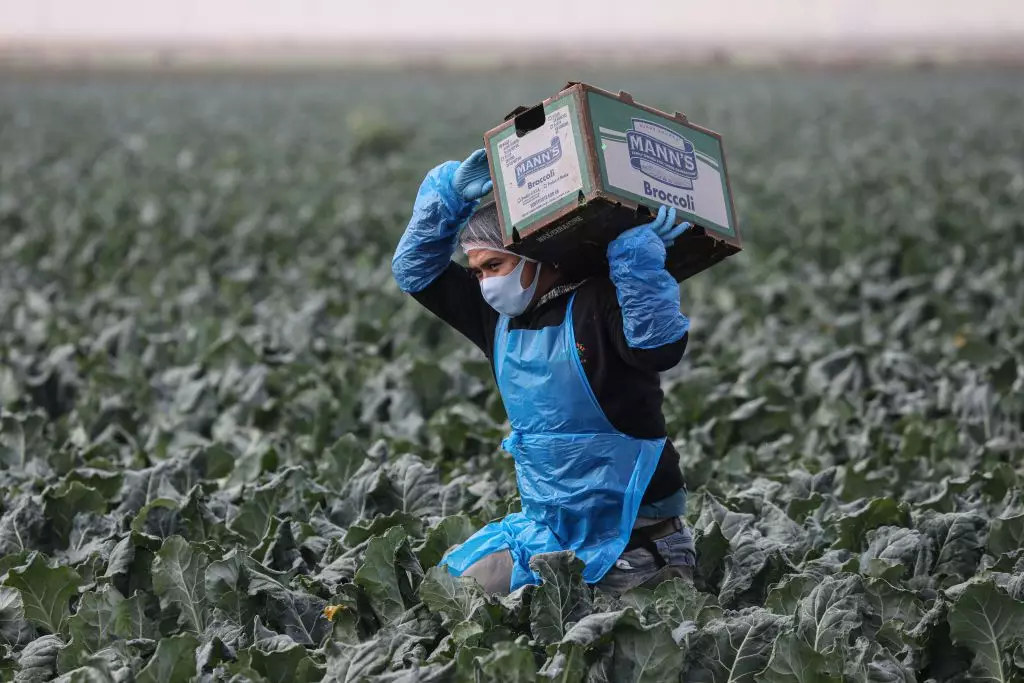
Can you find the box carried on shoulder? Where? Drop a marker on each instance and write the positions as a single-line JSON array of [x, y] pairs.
[[573, 172]]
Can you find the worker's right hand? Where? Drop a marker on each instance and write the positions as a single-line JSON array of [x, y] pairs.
[[473, 177], [428, 243]]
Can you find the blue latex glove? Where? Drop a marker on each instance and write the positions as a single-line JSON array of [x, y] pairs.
[[648, 295], [664, 226], [473, 178], [438, 214]]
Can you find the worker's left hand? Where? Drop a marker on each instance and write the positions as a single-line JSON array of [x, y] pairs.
[[664, 226]]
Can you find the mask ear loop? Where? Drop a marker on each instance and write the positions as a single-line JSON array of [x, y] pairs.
[[536, 273], [519, 270]]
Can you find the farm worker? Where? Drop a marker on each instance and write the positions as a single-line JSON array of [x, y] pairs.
[[577, 366]]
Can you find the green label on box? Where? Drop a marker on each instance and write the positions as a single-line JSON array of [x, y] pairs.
[[542, 171], [653, 160]]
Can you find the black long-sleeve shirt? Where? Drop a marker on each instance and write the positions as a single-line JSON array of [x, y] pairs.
[[624, 380]]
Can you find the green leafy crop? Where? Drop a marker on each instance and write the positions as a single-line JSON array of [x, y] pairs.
[[232, 450]]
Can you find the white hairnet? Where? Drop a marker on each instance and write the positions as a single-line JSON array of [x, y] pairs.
[[482, 231]]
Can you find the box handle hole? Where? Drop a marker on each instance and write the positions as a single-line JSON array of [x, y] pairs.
[[515, 112], [531, 119]]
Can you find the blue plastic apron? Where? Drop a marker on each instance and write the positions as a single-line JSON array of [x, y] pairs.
[[580, 479]]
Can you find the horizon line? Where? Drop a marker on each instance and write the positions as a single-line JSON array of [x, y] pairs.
[[115, 41]]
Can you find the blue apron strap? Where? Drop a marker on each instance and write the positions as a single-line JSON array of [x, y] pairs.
[[498, 349], [575, 355]]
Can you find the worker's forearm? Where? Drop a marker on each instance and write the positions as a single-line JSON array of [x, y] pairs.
[[429, 240], [657, 359], [647, 294]]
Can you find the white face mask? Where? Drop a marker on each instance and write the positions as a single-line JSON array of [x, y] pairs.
[[505, 294]]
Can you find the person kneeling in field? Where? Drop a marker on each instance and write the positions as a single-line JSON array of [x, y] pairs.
[[577, 367]]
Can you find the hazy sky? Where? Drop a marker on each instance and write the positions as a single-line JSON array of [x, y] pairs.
[[422, 19]]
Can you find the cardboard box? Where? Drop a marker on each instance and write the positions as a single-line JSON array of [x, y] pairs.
[[574, 171]]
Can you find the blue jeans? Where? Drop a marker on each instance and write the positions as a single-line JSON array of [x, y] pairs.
[[637, 567]]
